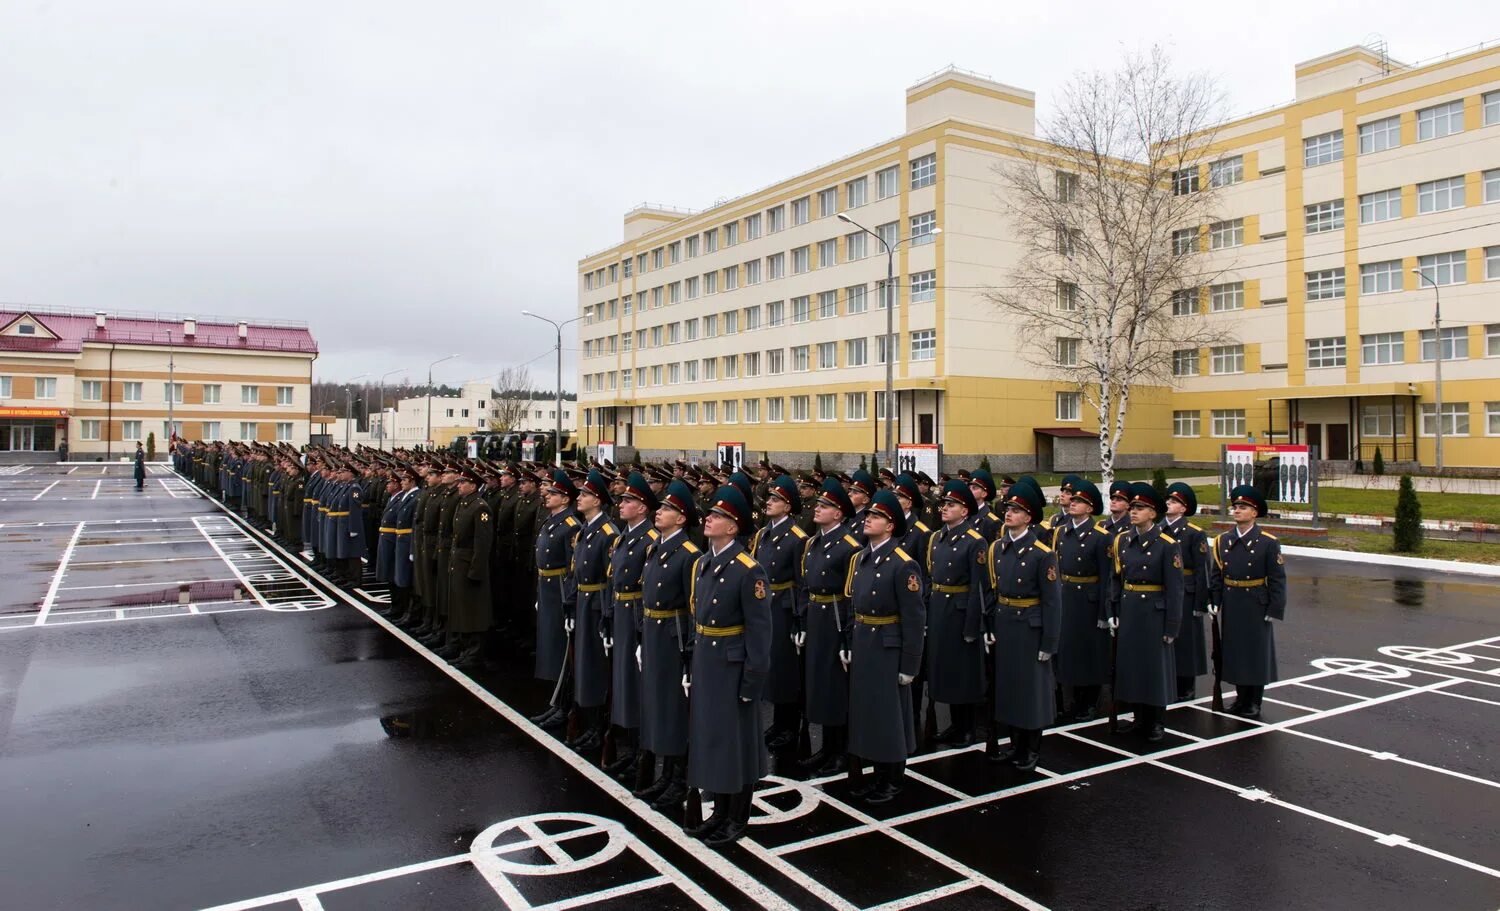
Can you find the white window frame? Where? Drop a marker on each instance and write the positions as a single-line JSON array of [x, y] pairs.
[[284, 431], [924, 344], [1067, 350], [1187, 424], [1440, 120], [856, 299], [888, 182], [828, 406], [828, 304], [856, 406], [924, 286], [1450, 268], [856, 352], [1226, 297], [1069, 406], [1380, 135], [249, 395], [801, 210], [1330, 351], [133, 391], [921, 227], [856, 246], [213, 431], [1324, 148], [249, 430], [92, 391], [89, 429], [828, 253], [1325, 284], [1491, 263], [801, 260], [775, 409], [776, 361], [924, 171], [1379, 206], [131, 431], [1455, 419], [1442, 195], [1385, 277], [1490, 186], [1455, 344], [1226, 360], [1490, 102], [828, 355], [284, 395], [1185, 362], [801, 408], [828, 202], [1228, 423], [1324, 216], [1382, 348], [1226, 171], [1225, 235], [856, 192]]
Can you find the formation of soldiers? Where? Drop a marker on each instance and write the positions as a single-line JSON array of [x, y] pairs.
[[664, 604]]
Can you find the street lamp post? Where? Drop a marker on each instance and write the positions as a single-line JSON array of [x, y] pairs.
[[382, 405], [450, 357], [557, 443], [1437, 366], [348, 392], [890, 332]]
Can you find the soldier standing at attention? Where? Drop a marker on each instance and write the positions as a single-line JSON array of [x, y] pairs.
[[665, 643], [777, 547], [1248, 586], [982, 485], [823, 606], [1070, 483], [469, 571], [955, 655], [1025, 624], [627, 563], [1119, 507], [441, 638], [731, 658], [807, 489], [554, 556], [1191, 649], [583, 609], [1146, 596], [385, 548], [523, 557], [889, 621], [861, 488], [1083, 561], [401, 572]]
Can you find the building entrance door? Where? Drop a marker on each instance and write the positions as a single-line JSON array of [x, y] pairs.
[[20, 437], [925, 432], [1338, 442]]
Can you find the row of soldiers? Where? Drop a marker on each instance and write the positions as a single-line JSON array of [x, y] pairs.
[[666, 615]]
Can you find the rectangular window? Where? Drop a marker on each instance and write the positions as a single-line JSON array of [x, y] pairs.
[[89, 429], [674, 413], [1065, 186], [212, 431], [674, 373], [856, 406], [924, 345], [888, 182], [856, 299], [656, 378], [690, 413], [1225, 234], [1324, 216], [692, 247], [248, 430], [1444, 268], [776, 361], [828, 355], [882, 342], [923, 171], [1379, 421], [1226, 171], [775, 409], [1492, 262], [1224, 359], [752, 363], [1440, 120], [640, 263], [1323, 148], [1325, 284], [1455, 419], [854, 245], [5, 387], [828, 253], [1455, 344], [131, 430], [674, 293], [800, 359], [674, 252], [752, 318], [690, 371], [1226, 297], [1185, 181], [1067, 241], [889, 233], [923, 286], [776, 313], [211, 393], [625, 268], [284, 430], [731, 234], [880, 406], [856, 192], [690, 287], [1384, 205], [801, 310], [710, 369], [711, 240], [752, 272], [283, 395], [1185, 302], [922, 228], [1325, 352], [828, 304], [731, 322], [776, 266], [674, 333], [1440, 195], [1379, 135], [775, 219], [614, 273], [1381, 278], [1185, 362], [1184, 241], [588, 281], [1185, 424], [801, 211], [1068, 406], [710, 412], [172, 392], [856, 352], [1492, 418], [1067, 351], [132, 392], [752, 226], [1067, 295], [690, 329], [751, 411], [799, 408], [656, 415], [1229, 422], [710, 283], [1492, 185], [1382, 348], [828, 407], [801, 260], [1491, 108], [656, 258], [828, 202], [93, 390]]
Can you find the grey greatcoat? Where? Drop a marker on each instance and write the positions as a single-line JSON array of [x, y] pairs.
[[666, 634], [447, 503], [385, 551], [627, 562], [889, 620], [823, 608], [955, 607], [1248, 582], [1191, 649], [315, 484], [1146, 596], [1026, 619], [1083, 568], [469, 565], [778, 548], [554, 556], [349, 526], [424, 544], [731, 658], [401, 575], [584, 601]]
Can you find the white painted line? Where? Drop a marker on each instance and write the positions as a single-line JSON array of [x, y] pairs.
[[1291, 705], [156, 584], [97, 485], [935, 784], [296, 894], [795, 874], [44, 491], [150, 560], [1447, 566], [57, 577], [922, 898], [73, 469]]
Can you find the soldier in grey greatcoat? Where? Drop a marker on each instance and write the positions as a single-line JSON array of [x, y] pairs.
[[955, 608], [627, 563], [1083, 562], [823, 629], [1024, 624], [469, 613], [554, 559], [1248, 587], [777, 547], [583, 609], [1146, 610], [730, 661], [890, 618], [1191, 646]]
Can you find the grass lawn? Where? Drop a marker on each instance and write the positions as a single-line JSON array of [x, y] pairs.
[[1355, 501], [1372, 542]]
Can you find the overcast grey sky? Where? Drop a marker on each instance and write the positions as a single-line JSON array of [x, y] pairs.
[[407, 177]]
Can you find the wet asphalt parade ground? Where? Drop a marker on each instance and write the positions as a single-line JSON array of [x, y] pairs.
[[191, 718]]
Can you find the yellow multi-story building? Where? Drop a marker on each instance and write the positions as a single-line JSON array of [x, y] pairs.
[[101, 382], [762, 321]]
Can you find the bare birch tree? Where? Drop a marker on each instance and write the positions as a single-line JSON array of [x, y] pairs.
[[510, 398], [1110, 215]]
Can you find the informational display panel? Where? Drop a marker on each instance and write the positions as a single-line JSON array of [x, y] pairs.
[[914, 457], [732, 454], [605, 451], [1289, 480]]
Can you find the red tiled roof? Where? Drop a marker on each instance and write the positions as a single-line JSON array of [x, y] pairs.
[[73, 330]]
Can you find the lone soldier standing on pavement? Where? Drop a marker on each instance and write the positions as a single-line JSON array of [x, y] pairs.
[[889, 621], [140, 467], [627, 563], [1248, 588], [1083, 561], [731, 658], [1191, 649], [955, 655], [823, 605], [1146, 596], [1025, 624], [777, 547]]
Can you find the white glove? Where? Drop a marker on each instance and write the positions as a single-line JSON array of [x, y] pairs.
[[989, 641], [686, 684], [568, 626], [608, 644], [1268, 619], [1168, 639], [1197, 613], [744, 699], [799, 639], [1213, 610], [1114, 624], [638, 658], [1044, 656], [905, 679], [845, 657], [353, 535]]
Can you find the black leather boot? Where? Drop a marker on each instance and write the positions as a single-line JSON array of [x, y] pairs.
[[1008, 751], [715, 820]]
